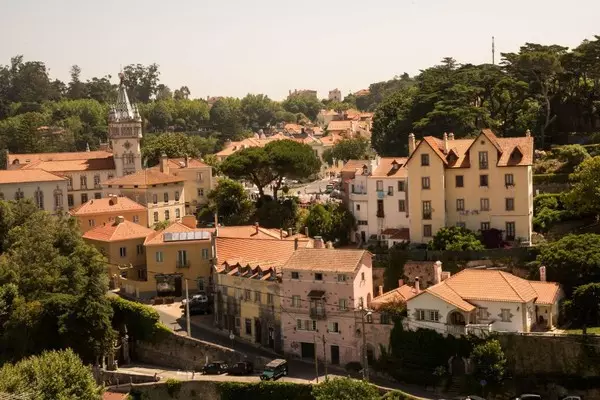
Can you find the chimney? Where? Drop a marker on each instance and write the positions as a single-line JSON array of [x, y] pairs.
[[451, 136], [543, 273], [113, 199], [445, 142], [445, 275], [329, 245], [400, 282], [164, 164], [380, 290], [120, 219], [412, 143], [417, 285], [290, 233], [437, 272], [296, 244], [280, 233], [189, 221], [318, 242], [256, 226], [306, 231]]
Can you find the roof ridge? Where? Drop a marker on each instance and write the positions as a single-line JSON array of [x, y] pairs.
[[502, 274]]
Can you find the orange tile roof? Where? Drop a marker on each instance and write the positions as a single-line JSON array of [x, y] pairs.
[[385, 168], [69, 156], [331, 139], [246, 231], [180, 163], [24, 176], [249, 142], [158, 237], [339, 126], [125, 230], [144, 178], [107, 205], [401, 294], [325, 259], [93, 164], [244, 251], [403, 233], [295, 128], [547, 292], [353, 165]]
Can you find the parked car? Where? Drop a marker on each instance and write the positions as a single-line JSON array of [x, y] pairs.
[[529, 396], [200, 297], [215, 368], [569, 397], [241, 368], [274, 369], [328, 189]]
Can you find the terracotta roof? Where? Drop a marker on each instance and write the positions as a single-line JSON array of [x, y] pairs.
[[295, 128], [448, 295], [158, 237], [24, 176], [330, 139], [402, 233], [118, 231], [249, 142], [244, 251], [339, 126], [114, 396], [385, 168], [145, 177], [246, 231], [353, 165], [325, 259], [93, 164], [70, 156], [362, 92], [401, 294], [547, 292], [107, 205], [179, 163]]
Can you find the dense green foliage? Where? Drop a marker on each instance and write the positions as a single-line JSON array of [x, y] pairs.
[[550, 209], [51, 375], [230, 202], [141, 321], [584, 196], [455, 238], [488, 361], [394, 262], [347, 149], [264, 391], [52, 286], [345, 389], [332, 221], [585, 306]]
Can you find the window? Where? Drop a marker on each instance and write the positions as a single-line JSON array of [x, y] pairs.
[[167, 215], [237, 322], [460, 204], [424, 160], [362, 222], [257, 297], [509, 180], [248, 326], [19, 194], [96, 181], [358, 207], [510, 204], [426, 209], [139, 249], [510, 231], [110, 176], [380, 212], [484, 204], [91, 222], [461, 225], [84, 198], [70, 201], [182, 260], [142, 274], [505, 314], [69, 183], [362, 276], [402, 205], [177, 195], [177, 213], [200, 192], [295, 275], [483, 160], [83, 182], [306, 325], [155, 198], [460, 181], [136, 219], [385, 318], [270, 298], [39, 198], [425, 183], [401, 187], [205, 254], [58, 198], [123, 251], [390, 190], [341, 278], [200, 284], [343, 305], [482, 313], [428, 315], [485, 226], [427, 231], [333, 327], [199, 176], [318, 276], [166, 197], [296, 301], [155, 216], [380, 186], [483, 180], [247, 295], [97, 195]]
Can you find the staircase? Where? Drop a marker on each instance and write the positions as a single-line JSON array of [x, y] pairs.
[[455, 387]]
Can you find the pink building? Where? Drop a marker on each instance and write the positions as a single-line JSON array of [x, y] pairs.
[[323, 292]]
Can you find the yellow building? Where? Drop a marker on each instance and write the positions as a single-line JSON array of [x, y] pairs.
[[122, 243], [98, 212], [247, 279], [162, 194], [47, 190], [481, 184]]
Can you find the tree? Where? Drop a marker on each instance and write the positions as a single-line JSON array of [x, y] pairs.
[[101, 89], [489, 361], [161, 225], [174, 145], [77, 89], [394, 266], [347, 149], [584, 195], [159, 116], [391, 125], [229, 120], [49, 376], [183, 93], [230, 201], [251, 164], [319, 221], [259, 109], [586, 304], [163, 92], [573, 260], [141, 81], [332, 221], [307, 105], [345, 389], [455, 238]]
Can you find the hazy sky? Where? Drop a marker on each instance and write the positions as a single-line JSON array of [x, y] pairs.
[[234, 47]]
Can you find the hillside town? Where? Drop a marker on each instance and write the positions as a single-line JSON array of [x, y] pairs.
[[427, 237]]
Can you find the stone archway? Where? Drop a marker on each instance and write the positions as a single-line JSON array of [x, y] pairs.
[[456, 318], [457, 366]]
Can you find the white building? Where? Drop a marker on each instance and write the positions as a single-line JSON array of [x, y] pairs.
[[377, 199], [47, 190]]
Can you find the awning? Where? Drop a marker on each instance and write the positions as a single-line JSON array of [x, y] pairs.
[[316, 294]]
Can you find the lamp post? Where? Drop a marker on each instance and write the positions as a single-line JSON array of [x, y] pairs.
[[364, 313]]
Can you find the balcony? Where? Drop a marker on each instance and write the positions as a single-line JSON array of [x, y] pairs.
[[317, 313], [380, 213], [183, 263], [427, 215]]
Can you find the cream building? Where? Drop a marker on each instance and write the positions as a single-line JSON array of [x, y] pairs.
[[85, 170], [48, 191], [481, 184], [99, 212]]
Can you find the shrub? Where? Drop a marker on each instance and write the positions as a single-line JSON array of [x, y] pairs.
[[545, 179], [571, 155], [353, 366], [345, 389], [489, 361], [173, 387], [264, 391], [398, 395], [142, 321], [547, 200], [455, 238]]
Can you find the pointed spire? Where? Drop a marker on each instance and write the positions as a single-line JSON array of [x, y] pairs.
[[123, 110]]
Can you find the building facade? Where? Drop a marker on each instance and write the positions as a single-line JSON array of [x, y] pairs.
[[48, 191], [98, 212], [481, 184], [335, 95]]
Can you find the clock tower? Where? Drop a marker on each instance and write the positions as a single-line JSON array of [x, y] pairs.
[[125, 133]]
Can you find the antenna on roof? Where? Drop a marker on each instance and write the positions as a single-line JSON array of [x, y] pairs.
[[493, 51]]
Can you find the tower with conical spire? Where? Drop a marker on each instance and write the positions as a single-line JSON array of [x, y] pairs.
[[125, 133]]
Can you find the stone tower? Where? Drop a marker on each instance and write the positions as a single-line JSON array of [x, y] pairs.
[[125, 133]]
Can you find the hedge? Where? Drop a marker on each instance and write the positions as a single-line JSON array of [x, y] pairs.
[[545, 179], [264, 391], [141, 320], [399, 395]]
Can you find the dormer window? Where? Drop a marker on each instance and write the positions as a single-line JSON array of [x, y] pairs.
[[395, 165], [365, 170], [516, 155]]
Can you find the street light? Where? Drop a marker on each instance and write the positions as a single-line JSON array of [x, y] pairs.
[[365, 313]]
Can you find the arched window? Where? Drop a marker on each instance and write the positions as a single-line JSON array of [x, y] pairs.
[[155, 216], [83, 181], [58, 199], [70, 182], [177, 213], [155, 198], [39, 198], [96, 181], [167, 215]]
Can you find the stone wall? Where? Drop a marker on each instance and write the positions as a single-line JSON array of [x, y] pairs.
[[188, 390], [181, 352], [116, 378], [570, 355]]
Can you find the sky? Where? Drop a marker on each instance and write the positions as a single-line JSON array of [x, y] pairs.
[[235, 47]]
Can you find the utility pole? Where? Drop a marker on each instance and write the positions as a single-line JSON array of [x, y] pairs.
[[493, 51], [325, 357], [364, 347], [187, 309], [316, 360]]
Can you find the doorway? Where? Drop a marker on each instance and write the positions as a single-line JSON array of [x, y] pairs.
[[307, 350], [335, 355], [257, 331], [363, 237], [271, 338]]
